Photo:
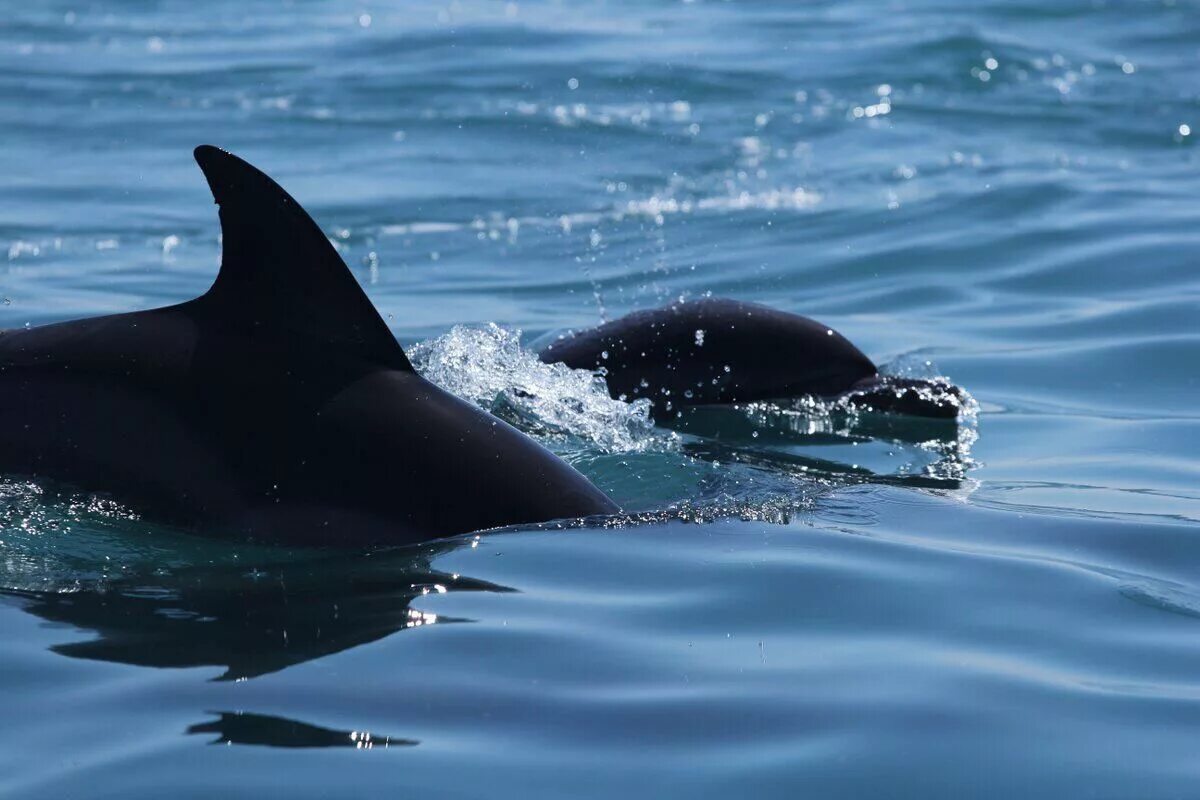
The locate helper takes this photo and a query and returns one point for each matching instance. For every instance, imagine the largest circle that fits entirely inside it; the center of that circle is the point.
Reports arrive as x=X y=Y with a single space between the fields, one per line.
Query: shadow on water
x=250 y=622
x=238 y=727
x=806 y=444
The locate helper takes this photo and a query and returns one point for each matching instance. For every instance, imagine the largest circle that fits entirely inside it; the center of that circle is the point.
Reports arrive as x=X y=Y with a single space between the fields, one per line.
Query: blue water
x=796 y=604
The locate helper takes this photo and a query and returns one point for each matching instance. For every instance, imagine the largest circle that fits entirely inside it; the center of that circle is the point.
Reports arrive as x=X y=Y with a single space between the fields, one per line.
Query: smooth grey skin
x=717 y=351
x=277 y=406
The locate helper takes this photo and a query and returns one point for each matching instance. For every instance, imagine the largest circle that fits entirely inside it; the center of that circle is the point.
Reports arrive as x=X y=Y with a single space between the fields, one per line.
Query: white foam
x=488 y=367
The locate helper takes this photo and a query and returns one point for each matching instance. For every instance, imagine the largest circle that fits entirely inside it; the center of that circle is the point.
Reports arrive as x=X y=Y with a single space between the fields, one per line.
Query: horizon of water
x=797 y=599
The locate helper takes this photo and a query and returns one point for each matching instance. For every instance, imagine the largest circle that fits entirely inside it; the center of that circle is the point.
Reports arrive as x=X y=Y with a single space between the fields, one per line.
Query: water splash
x=570 y=408
x=33 y=507
x=954 y=455
x=948 y=442
x=53 y=539
x=572 y=412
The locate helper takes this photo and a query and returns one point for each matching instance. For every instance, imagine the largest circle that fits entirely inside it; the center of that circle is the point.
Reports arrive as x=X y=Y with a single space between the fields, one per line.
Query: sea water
x=798 y=601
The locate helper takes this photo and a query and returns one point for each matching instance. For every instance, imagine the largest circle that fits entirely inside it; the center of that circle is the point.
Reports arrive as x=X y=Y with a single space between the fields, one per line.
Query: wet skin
x=277 y=406
x=718 y=351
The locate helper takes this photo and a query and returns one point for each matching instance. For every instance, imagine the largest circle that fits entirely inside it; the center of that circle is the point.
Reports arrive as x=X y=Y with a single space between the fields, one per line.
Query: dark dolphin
x=718 y=351
x=277 y=405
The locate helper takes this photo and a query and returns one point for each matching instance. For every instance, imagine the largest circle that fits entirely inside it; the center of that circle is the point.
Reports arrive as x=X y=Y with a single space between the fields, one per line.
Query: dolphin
x=718 y=351
x=277 y=406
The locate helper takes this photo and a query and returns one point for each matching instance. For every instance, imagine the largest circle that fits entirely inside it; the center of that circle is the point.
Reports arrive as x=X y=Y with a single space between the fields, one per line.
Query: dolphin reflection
x=787 y=441
x=239 y=727
x=255 y=622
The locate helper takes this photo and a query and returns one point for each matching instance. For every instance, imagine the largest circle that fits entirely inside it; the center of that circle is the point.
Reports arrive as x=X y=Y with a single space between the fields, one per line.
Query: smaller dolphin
x=718 y=351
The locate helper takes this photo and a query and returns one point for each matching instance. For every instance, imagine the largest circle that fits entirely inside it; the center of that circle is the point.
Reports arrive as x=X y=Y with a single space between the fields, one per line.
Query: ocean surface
x=797 y=602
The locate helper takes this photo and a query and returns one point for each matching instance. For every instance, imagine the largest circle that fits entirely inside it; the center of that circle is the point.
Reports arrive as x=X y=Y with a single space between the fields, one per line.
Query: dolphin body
x=718 y=351
x=277 y=406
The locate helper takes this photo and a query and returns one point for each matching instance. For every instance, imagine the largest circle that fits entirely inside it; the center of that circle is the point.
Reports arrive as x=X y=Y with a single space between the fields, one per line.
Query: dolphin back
x=714 y=351
x=277 y=406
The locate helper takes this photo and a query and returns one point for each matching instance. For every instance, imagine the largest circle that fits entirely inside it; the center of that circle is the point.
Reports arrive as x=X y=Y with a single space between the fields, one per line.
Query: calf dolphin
x=718 y=351
x=277 y=406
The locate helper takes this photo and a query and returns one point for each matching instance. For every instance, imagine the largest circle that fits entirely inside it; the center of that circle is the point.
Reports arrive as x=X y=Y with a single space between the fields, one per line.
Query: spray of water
x=569 y=408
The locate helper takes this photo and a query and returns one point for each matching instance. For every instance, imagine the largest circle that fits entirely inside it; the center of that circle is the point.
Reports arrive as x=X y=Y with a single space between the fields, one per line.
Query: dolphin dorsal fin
x=279 y=273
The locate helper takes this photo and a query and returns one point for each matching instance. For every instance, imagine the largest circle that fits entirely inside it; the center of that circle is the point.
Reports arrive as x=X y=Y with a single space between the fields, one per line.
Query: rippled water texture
x=800 y=601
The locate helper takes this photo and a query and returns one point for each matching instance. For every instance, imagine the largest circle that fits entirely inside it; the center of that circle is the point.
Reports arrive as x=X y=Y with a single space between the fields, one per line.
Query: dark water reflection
x=251 y=623
x=833 y=446
x=264 y=730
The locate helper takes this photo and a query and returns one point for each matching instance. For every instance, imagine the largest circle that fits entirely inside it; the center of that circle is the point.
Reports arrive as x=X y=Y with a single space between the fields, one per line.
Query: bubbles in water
x=945 y=456
x=488 y=367
x=52 y=539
